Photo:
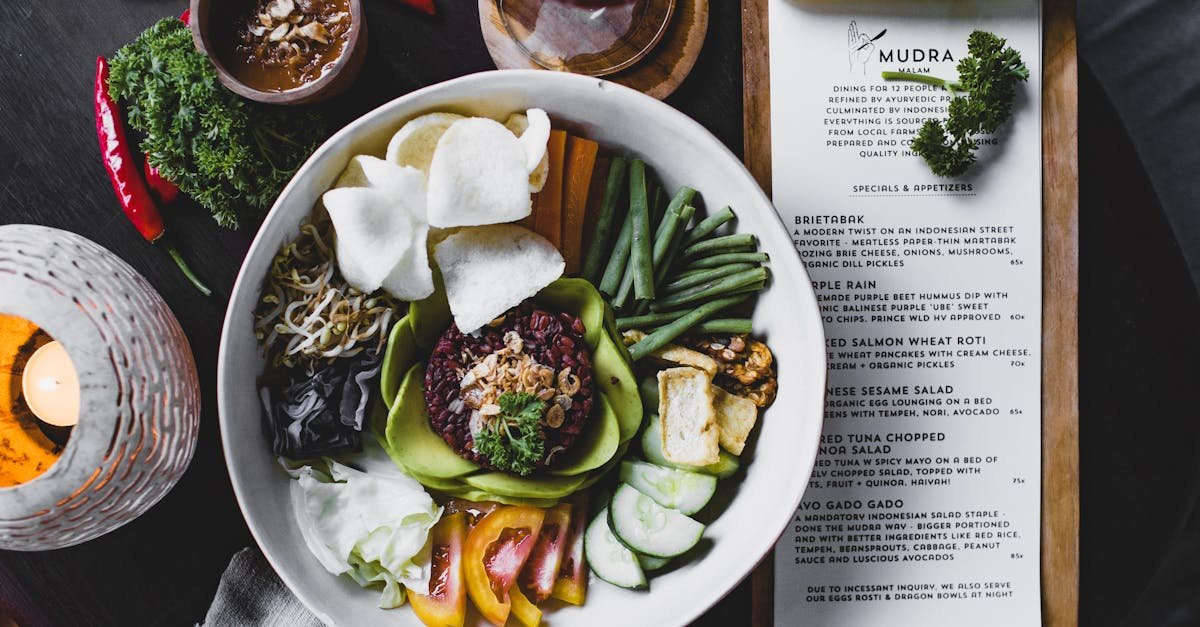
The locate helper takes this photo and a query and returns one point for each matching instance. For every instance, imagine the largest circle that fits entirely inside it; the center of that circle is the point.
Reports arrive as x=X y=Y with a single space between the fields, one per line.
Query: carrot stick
x=581 y=160
x=547 y=215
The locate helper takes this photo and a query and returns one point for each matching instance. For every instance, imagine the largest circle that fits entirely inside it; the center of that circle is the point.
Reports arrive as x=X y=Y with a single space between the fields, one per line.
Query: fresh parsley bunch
x=989 y=75
x=230 y=155
x=513 y=440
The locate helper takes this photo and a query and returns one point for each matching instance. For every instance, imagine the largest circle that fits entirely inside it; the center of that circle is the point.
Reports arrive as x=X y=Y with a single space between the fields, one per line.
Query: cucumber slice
x=649 y=528
x=725 y=465
x=687 y=492
x=608 y=558
x=651 y=563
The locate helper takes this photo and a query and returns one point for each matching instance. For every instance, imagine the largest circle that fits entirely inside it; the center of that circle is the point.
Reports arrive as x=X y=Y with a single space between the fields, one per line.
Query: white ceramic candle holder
x=139 y=396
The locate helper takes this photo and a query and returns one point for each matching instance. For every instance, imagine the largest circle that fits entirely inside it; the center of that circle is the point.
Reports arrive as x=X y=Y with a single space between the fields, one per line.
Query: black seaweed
x=324 y=413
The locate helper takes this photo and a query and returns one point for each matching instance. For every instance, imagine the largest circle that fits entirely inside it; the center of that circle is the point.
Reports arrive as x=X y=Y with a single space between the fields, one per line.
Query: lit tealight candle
x=51 y=387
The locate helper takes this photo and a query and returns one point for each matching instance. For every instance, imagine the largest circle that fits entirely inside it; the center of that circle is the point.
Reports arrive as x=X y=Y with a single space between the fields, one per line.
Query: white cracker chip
x=478 y=176
x=535 y=137
x=490 y=269
x=378 y=214
x=415 y=142
x=534 y=142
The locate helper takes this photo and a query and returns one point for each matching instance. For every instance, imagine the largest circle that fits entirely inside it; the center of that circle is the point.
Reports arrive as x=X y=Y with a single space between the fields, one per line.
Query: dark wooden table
x=1138 y=310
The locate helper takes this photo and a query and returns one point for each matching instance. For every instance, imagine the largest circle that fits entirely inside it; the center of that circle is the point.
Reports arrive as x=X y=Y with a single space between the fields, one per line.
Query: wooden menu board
x=1060 y=294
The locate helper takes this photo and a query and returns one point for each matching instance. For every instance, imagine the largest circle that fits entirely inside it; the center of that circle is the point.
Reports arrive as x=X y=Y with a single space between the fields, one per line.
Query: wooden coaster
x=657 y=75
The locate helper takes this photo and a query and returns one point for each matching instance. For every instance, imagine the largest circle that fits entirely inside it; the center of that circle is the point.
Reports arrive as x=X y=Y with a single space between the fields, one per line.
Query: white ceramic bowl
x=760 y=499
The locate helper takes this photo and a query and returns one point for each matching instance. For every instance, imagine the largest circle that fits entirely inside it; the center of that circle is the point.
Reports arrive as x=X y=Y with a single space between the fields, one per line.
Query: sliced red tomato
x=526 y=612
x=541 y=571
x=446 y=603
x=495 y=552
x=571 y=585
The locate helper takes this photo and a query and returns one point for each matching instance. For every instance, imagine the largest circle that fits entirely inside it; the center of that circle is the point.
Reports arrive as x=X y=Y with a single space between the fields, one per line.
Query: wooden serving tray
x=1060 y=294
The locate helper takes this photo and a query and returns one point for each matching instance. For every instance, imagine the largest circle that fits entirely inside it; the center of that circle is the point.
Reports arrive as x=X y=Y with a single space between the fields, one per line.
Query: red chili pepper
x=123 y=172
x=164 y=190
x=186 y=16
x=424 y=6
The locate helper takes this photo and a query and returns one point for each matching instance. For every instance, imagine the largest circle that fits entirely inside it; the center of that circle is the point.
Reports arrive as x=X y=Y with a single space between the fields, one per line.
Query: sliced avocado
x=377 y=420
x=610 y=361
x=435 y=483
x=480 y=496
x=504 y=484
x=400 y=355
x=430 y=317
x=595 y=446
x=725 y=465
x=410 y=439
x=614 y=379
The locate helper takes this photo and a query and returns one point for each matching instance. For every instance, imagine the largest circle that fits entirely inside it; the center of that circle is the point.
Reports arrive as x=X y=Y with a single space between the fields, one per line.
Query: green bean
x=678 y=203
x=684 y=274
x=750 y=289
x=710 y=289
x=664 y=334
x=664 y=250
x=682 y=198
x=724 y=325
x=661 y=269
x=671 y=225
x=622 y=299
x=708 y=225
x=666 y=230
x=648 y=320
x=723 y=244
x=703 y=275
x=605 y=222
x=658 y=204
x=642 y=255
x=615 y=269
x=716 y=261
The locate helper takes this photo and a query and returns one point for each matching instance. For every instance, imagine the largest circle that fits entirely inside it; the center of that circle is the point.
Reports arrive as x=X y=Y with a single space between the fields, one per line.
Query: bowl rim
x=306 y=93
x=814 y=403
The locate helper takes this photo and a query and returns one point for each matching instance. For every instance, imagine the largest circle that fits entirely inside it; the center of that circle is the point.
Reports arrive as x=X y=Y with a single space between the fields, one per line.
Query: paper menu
x=923 y=508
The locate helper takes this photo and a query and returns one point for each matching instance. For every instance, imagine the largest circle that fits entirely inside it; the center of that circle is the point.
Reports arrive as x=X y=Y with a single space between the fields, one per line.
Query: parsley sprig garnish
x=988 y=75
x=513 y=439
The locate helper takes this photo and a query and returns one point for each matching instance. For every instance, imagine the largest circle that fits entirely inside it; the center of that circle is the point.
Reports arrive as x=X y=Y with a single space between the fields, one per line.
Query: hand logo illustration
x=860 y=47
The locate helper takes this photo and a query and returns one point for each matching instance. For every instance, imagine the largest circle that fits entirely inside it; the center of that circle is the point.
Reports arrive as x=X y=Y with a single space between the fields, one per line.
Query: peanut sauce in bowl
x=279 y=45
x=282 y=52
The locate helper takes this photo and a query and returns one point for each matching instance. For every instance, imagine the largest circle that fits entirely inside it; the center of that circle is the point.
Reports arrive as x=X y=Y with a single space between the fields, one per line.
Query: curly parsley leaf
x=230 y=155
x=513 y=441
x=989 y=75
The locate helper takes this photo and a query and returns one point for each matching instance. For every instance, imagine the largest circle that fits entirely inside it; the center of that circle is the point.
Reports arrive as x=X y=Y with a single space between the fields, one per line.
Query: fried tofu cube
x=689 y=421
x=736 y=416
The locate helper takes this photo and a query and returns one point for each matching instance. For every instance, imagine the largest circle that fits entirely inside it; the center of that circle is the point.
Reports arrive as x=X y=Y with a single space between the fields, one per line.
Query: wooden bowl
x=333 y=82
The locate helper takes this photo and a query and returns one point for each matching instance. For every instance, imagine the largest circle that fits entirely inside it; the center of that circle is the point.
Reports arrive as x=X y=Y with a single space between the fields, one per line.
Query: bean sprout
x=308 y=315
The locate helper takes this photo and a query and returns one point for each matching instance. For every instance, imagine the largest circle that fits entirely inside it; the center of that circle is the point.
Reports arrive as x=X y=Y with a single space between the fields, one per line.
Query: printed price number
x=1017 y=317
x=1016 y=262
x=1016 y=556
x=1019 y=480
x=1017 y=363
x=1015 y=412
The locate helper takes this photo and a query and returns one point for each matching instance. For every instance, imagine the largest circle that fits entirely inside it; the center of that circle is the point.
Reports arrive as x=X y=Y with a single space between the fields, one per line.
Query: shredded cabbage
x=370 y=524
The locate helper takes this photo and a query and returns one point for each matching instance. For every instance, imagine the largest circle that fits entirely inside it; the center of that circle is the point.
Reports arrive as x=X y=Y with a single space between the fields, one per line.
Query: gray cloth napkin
x=251 y=595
